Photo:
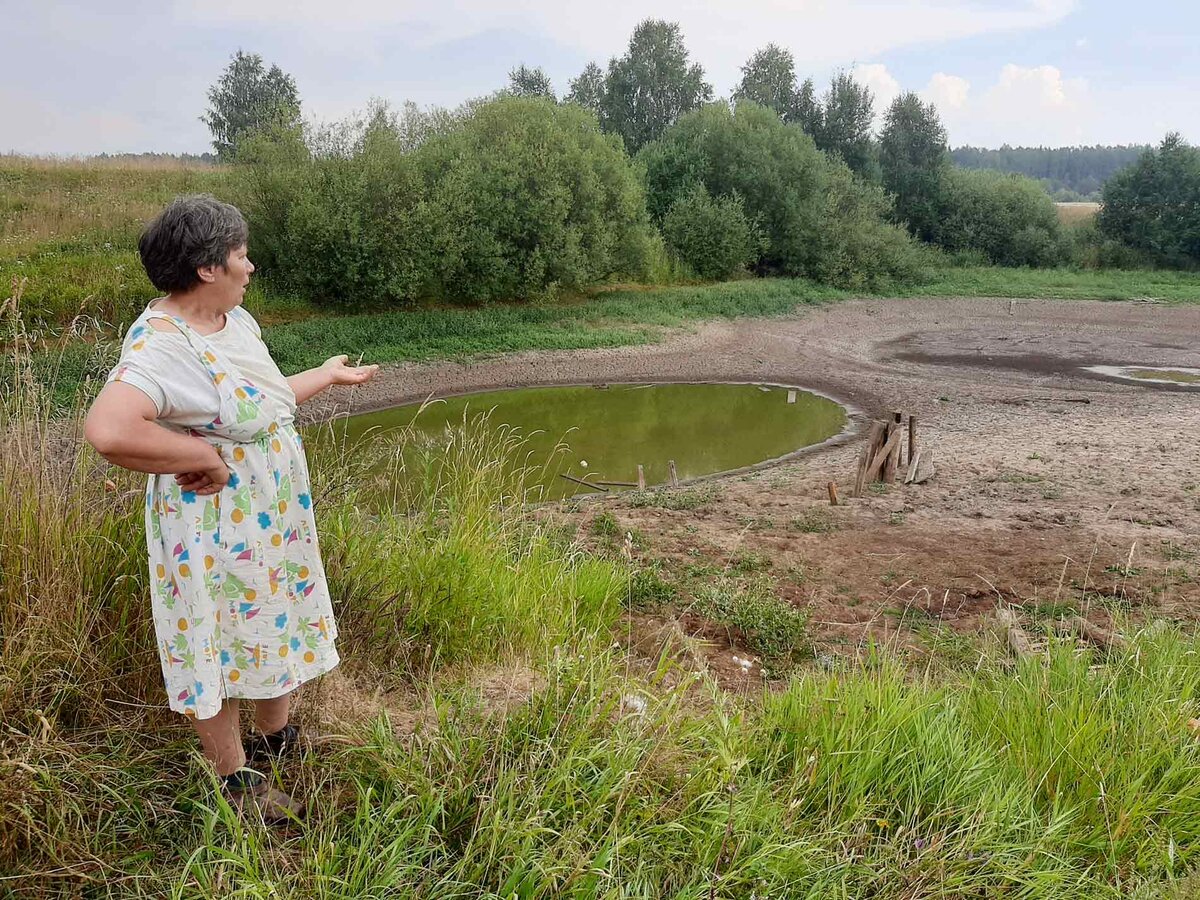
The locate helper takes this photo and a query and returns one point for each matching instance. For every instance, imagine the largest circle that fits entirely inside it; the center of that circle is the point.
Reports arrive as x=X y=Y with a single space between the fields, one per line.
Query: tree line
x=1068 y=173
x=636 y=172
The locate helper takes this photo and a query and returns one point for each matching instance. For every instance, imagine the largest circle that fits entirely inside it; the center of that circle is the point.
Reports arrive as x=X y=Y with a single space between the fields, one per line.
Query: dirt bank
x=1038 y=499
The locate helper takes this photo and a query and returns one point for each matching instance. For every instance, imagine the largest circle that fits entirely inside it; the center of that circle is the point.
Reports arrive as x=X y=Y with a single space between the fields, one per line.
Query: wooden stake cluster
x=883 y=456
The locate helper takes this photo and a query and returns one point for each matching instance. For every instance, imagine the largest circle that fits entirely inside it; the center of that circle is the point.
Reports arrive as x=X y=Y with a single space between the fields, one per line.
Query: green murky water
x=1178 y=376
x=1153 y=374
x=609 y=430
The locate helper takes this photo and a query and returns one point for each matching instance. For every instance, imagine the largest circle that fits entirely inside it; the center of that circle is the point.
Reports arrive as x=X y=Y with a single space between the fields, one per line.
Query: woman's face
x=235 y=275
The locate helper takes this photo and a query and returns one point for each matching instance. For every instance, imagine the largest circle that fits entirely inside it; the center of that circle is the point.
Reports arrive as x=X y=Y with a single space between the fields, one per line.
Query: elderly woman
x=241 y=607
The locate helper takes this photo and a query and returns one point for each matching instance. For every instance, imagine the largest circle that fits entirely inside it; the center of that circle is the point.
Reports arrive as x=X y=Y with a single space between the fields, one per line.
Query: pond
x=608 y=430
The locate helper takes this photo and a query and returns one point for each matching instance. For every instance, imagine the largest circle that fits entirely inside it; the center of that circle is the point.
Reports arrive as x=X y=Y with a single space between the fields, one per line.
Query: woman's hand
x=307 y=384
x=209 y=481
x=340 y=373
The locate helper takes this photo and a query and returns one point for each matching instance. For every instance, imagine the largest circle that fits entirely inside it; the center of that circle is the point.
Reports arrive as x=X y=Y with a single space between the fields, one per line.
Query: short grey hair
x=193 y=231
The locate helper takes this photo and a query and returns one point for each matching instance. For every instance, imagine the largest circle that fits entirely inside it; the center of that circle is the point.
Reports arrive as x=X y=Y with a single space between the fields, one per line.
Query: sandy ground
x=1038 y=500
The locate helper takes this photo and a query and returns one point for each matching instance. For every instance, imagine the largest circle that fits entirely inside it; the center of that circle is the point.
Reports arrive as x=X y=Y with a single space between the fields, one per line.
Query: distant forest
x=1069 y=173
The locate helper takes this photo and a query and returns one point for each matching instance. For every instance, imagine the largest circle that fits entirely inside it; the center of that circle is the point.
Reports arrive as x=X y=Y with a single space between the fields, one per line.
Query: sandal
x=270 y=749
x=249 y=792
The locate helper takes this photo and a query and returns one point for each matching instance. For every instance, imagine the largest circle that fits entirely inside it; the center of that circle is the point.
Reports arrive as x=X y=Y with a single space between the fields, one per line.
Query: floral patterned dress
x=240 y=601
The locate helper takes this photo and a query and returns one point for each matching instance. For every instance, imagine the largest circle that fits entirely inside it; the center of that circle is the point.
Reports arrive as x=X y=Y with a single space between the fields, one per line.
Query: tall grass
x=1059 y=780
x=71 y=228
x=1074 y=776
x=445 y=570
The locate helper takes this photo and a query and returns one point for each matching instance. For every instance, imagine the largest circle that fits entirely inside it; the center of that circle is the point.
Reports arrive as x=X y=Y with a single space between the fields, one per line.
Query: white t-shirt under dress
x=240 y=601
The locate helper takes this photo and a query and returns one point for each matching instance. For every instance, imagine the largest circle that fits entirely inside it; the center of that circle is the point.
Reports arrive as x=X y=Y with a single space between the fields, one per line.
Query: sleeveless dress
x=240 y=601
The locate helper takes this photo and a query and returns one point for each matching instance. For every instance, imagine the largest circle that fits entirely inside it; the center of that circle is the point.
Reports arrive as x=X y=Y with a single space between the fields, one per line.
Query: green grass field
x=1072 y=776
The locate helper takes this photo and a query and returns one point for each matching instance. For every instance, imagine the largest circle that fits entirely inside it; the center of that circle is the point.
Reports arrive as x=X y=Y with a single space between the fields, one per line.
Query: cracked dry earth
x=1039 y=500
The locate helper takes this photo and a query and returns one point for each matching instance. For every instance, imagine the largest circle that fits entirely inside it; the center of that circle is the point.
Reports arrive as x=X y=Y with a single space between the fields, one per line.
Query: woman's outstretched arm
x=306 y=385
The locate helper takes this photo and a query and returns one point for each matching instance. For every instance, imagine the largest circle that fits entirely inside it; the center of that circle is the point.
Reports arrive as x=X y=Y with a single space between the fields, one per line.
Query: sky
x=117 y=76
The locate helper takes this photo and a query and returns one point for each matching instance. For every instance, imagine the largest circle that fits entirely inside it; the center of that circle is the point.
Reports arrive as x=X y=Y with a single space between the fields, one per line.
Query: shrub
x=771 y=627
x=341 y=225
x=525 y=197
x=1089 y=248
x=1008 y=218
x=1153 y=206
x=510 y=199
x=711 y=236
x=817 y=220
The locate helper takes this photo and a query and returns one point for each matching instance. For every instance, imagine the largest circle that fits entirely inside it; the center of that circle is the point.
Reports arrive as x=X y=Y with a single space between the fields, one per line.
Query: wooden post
x=833 y=497
x=888 y=452
x=791 y=396
x=868 y=454
x=860 y=476
x=912 y=439
x=898 y=422
x=641 y=478
x=913 y=465
x=895 y=428
x=674 y=475
x=879 y=438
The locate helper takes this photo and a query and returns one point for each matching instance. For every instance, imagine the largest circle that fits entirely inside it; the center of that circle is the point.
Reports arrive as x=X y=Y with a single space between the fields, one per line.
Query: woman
x=241 y=607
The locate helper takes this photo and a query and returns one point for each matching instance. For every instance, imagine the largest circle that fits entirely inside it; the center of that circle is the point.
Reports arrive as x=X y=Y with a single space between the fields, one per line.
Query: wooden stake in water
x=674 y=474
x=641 y=478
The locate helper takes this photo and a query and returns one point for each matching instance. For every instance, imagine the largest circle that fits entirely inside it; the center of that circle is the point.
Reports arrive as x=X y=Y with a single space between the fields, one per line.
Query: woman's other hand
x=340 y=373
x=210 y=481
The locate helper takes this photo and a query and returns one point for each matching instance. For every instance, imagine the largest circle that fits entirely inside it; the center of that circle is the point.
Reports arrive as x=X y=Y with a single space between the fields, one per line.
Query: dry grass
x=1075 y=213
x=94 y=201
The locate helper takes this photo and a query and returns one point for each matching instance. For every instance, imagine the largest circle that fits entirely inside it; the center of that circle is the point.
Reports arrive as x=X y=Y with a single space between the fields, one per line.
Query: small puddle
x=1152 y=374
x=609 y=430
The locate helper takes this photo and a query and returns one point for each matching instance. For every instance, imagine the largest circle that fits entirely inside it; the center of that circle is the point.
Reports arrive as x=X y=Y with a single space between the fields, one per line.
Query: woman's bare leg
x=221 y=738
x=271 y=715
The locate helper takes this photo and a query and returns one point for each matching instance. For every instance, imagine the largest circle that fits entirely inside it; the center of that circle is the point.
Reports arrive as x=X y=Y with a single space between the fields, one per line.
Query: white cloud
x=722 y=36
x=946 y=92
x=1025 y=105
x=345 y=53
x=881 y=83
x=1037 y=105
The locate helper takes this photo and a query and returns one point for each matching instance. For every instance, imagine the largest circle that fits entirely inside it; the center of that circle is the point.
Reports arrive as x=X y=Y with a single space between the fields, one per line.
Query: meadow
x=68 y=234
x=606 y=772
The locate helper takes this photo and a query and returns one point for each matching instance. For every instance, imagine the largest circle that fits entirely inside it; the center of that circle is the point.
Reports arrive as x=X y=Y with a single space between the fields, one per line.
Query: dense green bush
x=511 y=200
x=711 y=236
x=526 y=196
x=817 y=219
x=1154 y=205
x=1090 y=248
x=343 y=226
x=1007 y=218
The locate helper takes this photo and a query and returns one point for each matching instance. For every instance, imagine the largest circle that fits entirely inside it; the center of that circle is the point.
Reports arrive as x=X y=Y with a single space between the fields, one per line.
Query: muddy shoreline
x=1037 y=500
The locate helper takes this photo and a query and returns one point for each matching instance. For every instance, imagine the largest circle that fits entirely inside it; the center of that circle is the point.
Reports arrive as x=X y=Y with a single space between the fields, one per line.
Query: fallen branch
x=1091 y=632
x=1018 y=640
x=590 y=484
x=1045 y=400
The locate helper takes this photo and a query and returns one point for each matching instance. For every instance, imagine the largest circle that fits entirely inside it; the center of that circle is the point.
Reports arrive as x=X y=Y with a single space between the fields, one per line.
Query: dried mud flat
x=1040 y=500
